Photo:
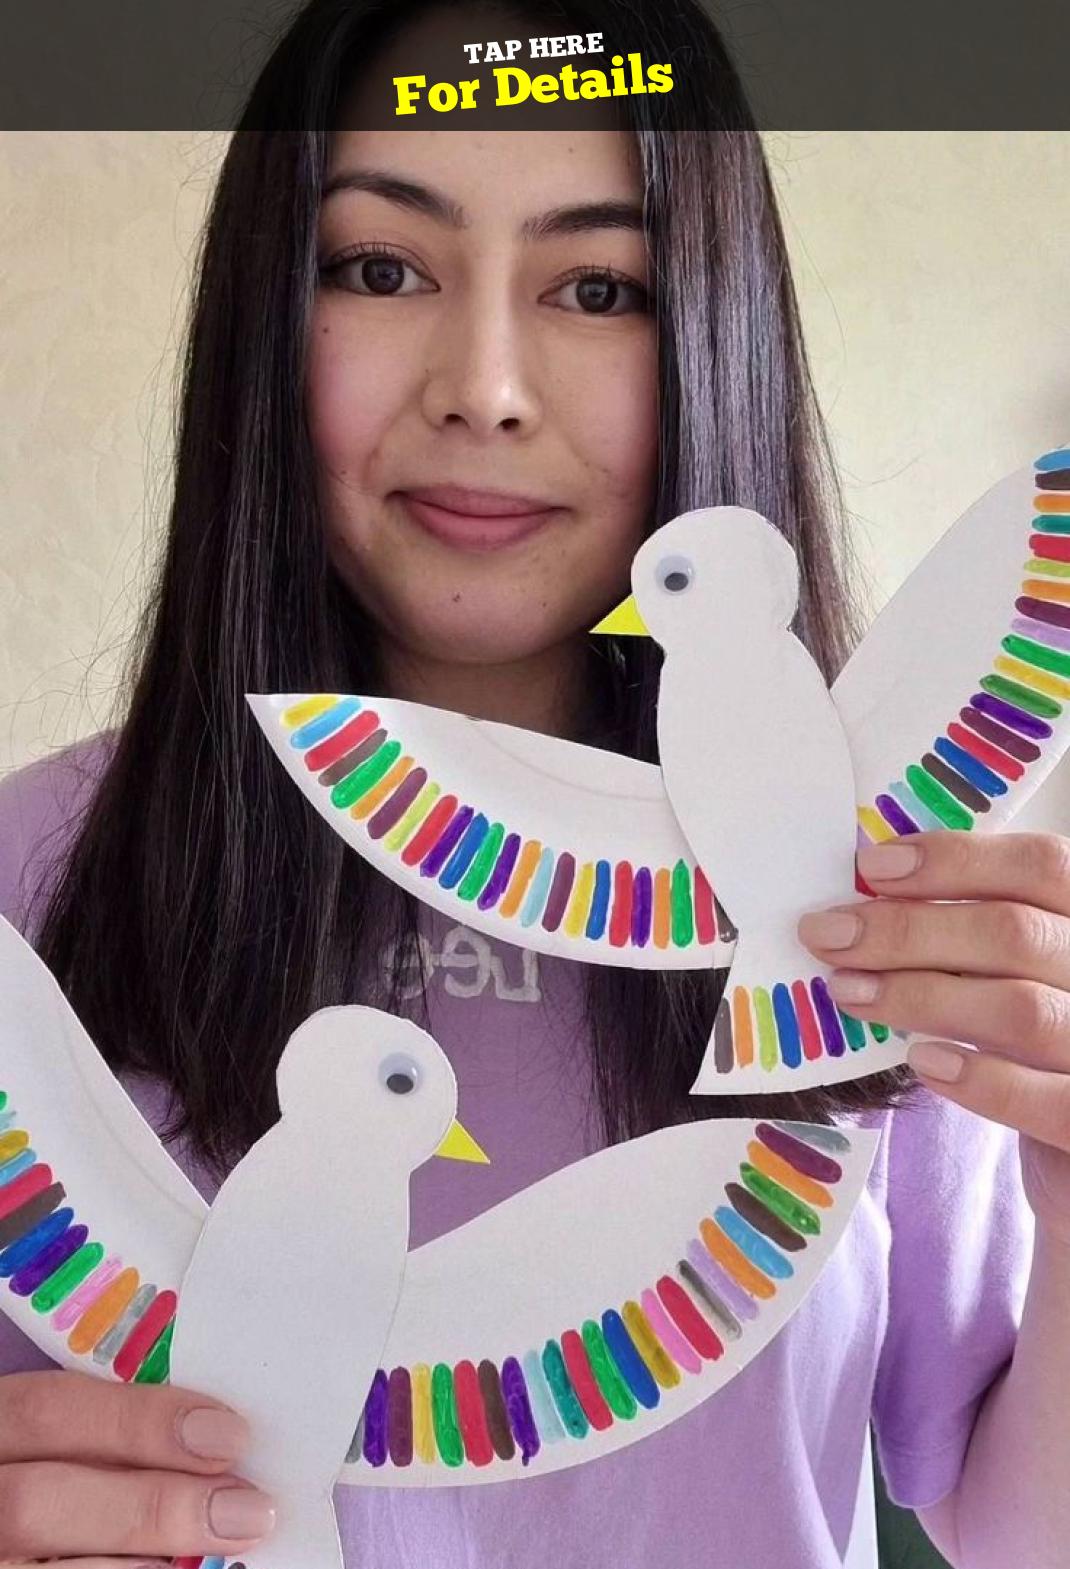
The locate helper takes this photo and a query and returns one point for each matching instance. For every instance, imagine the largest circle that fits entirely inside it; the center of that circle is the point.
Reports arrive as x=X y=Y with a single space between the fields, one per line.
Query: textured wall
x=930 y=265
x=96 y=239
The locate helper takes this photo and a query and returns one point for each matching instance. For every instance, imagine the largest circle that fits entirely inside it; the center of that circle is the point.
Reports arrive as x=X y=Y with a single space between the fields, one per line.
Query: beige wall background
x=931 y=268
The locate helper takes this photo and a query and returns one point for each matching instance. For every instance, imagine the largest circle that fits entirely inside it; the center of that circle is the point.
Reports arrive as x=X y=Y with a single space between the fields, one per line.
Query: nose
x=481 y=376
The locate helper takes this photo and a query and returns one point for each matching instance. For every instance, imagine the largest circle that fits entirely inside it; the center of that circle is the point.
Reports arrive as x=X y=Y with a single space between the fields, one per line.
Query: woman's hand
x=91 y=1470
x=993 y=972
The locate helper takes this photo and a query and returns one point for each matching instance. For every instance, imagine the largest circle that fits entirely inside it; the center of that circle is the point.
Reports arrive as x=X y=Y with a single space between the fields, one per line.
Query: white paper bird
x=954 y=709
x=302 y=1256
x=757 y=767
x=577 y=1316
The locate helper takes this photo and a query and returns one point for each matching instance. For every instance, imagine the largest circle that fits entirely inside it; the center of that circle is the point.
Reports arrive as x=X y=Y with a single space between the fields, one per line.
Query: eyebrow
x=577 y=218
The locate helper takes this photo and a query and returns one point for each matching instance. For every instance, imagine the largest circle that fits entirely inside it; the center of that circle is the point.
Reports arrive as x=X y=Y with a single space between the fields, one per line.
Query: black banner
x=805 y=65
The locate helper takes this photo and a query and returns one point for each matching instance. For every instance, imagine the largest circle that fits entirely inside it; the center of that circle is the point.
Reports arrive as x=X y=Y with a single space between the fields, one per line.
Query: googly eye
x=399 y=1073
x=675 y=574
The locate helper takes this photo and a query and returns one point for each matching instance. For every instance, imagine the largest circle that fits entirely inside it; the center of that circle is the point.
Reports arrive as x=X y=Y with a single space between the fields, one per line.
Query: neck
x=545 y=692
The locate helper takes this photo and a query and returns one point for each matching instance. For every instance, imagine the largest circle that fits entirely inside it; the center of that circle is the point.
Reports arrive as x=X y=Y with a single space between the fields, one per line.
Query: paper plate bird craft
x=948 y=715
x=456 y=1363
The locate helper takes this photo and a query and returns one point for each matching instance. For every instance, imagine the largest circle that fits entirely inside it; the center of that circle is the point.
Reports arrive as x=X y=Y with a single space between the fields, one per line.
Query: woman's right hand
x=95 y=1472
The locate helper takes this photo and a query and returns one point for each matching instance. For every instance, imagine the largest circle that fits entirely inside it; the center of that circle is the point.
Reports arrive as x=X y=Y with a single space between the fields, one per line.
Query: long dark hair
x=205 y=909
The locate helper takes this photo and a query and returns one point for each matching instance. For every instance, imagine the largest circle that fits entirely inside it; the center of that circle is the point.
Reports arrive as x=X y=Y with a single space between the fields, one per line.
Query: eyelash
x=365 y=249
x=579 y=273
x=369 y=248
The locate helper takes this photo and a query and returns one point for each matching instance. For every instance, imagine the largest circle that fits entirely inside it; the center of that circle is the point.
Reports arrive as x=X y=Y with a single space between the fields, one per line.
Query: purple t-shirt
x=914 y=1315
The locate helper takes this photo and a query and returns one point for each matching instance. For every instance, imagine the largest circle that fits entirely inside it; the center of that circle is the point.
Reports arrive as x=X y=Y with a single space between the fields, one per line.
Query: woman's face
x=481 y=383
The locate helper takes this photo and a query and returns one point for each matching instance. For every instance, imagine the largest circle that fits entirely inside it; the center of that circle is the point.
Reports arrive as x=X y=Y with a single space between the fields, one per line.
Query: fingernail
x=213 y=1434
x=881 y=861
x=853 y=985
x=934 y=1061
x=240 y=1512
x=830 y=929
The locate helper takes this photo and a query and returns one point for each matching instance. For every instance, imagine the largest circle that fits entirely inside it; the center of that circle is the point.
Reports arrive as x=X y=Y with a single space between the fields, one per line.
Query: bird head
x=700 y=566
x=357 y=1067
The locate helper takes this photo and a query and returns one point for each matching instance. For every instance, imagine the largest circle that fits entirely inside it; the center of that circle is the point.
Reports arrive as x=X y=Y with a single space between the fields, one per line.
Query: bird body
x=303 y=1253
x=803 y=853
x=760 y=778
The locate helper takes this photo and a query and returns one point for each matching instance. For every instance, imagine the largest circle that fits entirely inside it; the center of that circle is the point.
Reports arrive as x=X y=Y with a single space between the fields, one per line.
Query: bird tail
x=777 y=1028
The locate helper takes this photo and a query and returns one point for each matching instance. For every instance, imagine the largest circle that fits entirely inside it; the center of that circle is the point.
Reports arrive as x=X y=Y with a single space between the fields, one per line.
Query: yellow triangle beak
x=625 y=620
x=460 y=1145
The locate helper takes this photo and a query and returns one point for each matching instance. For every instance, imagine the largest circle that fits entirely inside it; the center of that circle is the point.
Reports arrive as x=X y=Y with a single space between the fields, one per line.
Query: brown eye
x=379 y=272
x=600 y=294
x=597 y=295
x=382 y=274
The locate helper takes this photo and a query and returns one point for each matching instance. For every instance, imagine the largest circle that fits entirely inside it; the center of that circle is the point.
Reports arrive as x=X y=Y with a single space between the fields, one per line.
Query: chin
x=472 y=635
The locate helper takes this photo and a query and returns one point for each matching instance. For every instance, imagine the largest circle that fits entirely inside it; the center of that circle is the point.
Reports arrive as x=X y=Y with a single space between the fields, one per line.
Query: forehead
x=503 y=176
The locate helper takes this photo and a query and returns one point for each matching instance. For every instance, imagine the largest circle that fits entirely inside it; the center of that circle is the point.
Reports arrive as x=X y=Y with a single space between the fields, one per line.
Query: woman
x=437 y=390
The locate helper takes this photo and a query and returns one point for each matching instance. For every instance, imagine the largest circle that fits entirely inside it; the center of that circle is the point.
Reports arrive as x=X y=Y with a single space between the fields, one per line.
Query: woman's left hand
x=993 y=972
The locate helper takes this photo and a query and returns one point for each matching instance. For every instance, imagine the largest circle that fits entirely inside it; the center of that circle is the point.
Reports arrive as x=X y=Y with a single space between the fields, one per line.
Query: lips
x=476 y=519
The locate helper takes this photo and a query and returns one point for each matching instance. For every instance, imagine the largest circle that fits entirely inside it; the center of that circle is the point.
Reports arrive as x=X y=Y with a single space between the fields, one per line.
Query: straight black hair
x=204 y=908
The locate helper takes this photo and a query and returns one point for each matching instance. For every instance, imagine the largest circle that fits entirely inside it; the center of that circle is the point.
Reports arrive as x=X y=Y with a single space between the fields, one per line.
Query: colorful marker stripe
x=480 y=861
x=785 y=1026
x=1002 y=730
x=105 y=1310
x=628 y=1358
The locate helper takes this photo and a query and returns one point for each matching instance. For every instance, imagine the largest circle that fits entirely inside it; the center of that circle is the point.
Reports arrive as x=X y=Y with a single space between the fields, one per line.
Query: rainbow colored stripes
x=629 y=1358
x=785 y=1025
x=368 y=774
x=1003 y=728
x=345 y=744
x=104 y=1308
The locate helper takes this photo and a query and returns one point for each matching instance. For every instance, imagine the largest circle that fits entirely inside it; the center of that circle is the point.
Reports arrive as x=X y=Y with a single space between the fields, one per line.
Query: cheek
x=606 y=400
x=621 y=441
x=346 y=421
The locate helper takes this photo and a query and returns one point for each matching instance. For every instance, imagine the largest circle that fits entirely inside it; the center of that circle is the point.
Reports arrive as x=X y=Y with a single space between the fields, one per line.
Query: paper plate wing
x=533 y=840
x=684 y=1253
x=956 y=702
x=97 y=1223
x=955 y=710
